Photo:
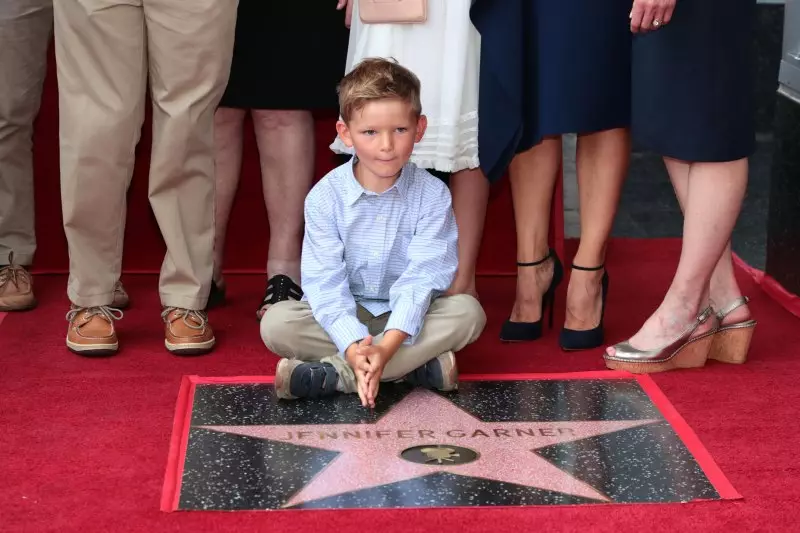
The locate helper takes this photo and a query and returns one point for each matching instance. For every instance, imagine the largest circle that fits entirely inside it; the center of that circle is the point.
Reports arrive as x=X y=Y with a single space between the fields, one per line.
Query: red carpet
x=86 y=441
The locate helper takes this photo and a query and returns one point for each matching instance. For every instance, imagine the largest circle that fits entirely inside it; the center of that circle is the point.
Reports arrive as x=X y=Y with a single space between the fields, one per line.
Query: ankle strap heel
x=531 y=331
x=572 y=340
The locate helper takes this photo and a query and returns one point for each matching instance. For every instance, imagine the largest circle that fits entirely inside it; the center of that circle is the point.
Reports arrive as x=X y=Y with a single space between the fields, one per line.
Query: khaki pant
x=25 y=30
x=107 y=52
x=290 y=330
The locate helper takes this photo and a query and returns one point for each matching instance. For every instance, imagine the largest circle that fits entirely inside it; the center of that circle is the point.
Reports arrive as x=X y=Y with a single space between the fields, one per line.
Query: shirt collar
x=354 y=190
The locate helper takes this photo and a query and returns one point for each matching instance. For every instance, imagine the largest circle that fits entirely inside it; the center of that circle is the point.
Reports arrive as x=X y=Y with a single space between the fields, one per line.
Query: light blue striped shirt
x=394 y=251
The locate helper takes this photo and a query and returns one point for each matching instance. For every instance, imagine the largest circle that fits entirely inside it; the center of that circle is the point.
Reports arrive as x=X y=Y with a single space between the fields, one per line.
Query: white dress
x=444 y=52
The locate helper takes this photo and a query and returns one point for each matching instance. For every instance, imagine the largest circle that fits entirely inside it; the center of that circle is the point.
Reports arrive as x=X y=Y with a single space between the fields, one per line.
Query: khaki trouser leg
x=451 y=323
x=100 y=50
x=289 y=330
x=25 y=29
x=190 y=50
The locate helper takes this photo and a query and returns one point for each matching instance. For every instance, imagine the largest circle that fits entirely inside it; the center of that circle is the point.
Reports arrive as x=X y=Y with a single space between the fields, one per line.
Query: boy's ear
x=422 y=125
x=344 y=133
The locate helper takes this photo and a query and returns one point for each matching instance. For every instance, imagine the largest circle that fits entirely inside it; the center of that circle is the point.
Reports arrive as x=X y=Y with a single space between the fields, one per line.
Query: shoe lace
x=13 y=273
x=199 y=318
x=103 y=311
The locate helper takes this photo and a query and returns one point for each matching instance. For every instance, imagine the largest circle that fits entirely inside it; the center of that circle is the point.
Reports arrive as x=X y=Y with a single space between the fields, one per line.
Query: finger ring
x=656 y=23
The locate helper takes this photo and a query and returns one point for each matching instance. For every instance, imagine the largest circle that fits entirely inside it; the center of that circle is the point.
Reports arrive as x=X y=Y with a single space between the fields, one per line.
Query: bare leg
x=286 y=149
x=723 y=287
x=533 y=177
x=602 y=160
x=470 y=190
x=713 y=200
x=228 y=123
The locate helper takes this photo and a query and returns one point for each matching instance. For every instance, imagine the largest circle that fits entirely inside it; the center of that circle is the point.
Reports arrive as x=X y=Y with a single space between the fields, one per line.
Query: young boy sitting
x=379 y=252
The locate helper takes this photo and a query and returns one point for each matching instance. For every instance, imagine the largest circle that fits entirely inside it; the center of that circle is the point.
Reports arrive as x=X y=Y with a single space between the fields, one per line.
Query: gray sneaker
x=440 y=373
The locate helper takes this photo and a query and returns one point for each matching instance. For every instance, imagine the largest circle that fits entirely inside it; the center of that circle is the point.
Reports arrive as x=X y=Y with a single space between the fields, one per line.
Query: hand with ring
x=648 y=15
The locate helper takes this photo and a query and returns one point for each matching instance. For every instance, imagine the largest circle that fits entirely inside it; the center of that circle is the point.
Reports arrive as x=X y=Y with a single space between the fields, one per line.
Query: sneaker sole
x=194 y=348
x=283 y=373
x=93 y=350
x=449 y=373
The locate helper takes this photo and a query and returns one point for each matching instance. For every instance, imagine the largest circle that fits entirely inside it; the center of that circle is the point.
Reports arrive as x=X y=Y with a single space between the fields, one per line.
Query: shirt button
x=380 y=218
x=376 y=255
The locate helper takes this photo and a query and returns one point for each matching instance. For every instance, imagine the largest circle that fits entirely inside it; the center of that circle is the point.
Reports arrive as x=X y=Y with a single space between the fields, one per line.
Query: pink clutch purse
x=393 y=11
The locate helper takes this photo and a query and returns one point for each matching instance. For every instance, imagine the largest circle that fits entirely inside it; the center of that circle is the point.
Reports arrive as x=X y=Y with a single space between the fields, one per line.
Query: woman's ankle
x=540 y=275
x=724 y=293
x=589 y=259
x=532 y=284
x=682 y=308
x=287 y=268
x=722 y=303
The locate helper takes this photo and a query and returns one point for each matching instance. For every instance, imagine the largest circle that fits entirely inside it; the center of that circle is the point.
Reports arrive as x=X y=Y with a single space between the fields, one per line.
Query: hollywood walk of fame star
x=370 y=454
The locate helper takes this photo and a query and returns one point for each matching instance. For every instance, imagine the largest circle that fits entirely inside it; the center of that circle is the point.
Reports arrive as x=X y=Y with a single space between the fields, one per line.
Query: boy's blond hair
x=377 y=79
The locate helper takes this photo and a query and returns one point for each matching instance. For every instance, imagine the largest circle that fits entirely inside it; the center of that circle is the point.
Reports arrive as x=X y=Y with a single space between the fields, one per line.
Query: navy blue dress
x=693 y=83
x=549 y=67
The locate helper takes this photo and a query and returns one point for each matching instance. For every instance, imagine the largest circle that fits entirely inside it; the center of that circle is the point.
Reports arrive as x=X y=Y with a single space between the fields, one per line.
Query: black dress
x=549 y=67
x=693 y=96
x=288 y=54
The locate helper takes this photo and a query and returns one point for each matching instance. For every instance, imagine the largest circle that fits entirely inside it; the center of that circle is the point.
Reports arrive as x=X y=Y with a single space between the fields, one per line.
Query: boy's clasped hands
x=368 y=361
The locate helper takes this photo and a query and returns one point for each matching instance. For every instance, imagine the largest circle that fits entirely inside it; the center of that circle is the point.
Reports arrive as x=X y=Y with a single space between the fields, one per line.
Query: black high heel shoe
x=530 y=331
x=572 y=340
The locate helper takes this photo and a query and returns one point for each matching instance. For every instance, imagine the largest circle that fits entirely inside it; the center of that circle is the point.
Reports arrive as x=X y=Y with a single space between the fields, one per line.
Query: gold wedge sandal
x=686 y=351
x=732 y=341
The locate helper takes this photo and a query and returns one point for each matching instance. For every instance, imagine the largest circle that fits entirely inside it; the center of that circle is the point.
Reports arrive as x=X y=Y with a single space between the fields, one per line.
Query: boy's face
x=383 y=134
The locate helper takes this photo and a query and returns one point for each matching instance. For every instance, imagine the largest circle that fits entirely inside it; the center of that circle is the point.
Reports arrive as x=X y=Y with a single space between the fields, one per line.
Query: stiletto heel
x=531 y=331
x=573 y=340
x=732 y=341
x=686 y=351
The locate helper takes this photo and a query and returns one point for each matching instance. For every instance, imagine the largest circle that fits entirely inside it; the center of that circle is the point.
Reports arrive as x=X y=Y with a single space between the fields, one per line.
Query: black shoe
x=531 y=331
x=440 y=373
x=296 y=379
x=572 y=340
x=279 y=289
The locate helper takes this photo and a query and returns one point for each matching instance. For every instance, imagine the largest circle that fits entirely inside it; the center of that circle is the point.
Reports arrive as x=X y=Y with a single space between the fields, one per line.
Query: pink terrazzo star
x=370 y=454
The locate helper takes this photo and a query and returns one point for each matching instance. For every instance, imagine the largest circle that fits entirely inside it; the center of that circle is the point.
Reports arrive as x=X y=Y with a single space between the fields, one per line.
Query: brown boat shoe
x=16 y=287
x=187 y=331
x=91 y=331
